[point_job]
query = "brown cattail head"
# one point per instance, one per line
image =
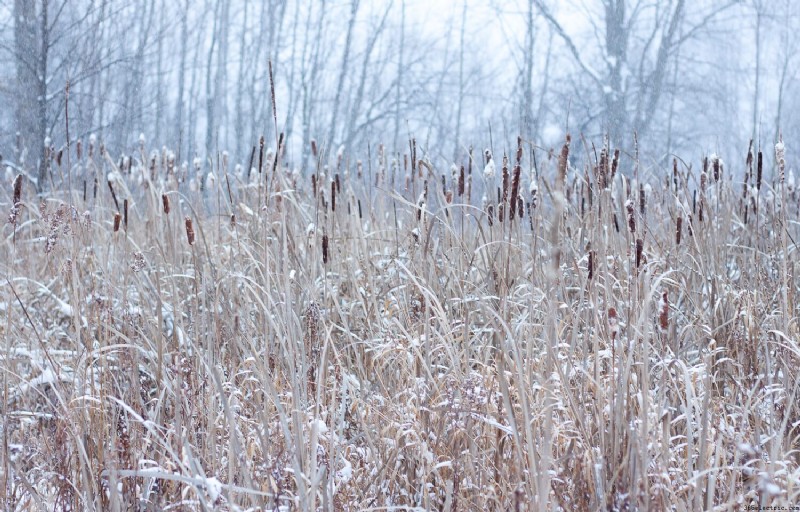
(505, 178)
(333, 195)
(17, 189)
(125, 213)
(515, 188)
(759, 168)
(165, 203)
(461, 182)
(519, 150)
(113, 194)
(663, 312)
(117, 219)
(591, 265)
(189, 231)
(314, 148)
(642, 199)
(490, 214)
(678, 230)
(325, 248)
(614, 165)
(79, 148)
(639, 252)
(563, 161)
(675, 174)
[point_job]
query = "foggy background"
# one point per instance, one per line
(691, 78)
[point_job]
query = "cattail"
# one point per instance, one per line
(675, 173)
(515, 188)
(501, 212)
(125, 213)
(314, 148)
(602, 175)
(520, 207)
(563, 161)
(614, 164)
(17, 189)
(117, 219)
(613, 323)
(505, 178)
(165, 203)
(338, 184)
(314, 184)
(759, 168)
(642, 200)
(639, 250)
(84, 191)
(333, 195)
(359, 209)
(716, 165)
(663, 312)
(591, 265)
(631, 217)
(678, 230)
(189, 231)
(461, 182)
(79, 148)
(324, 248)
(490, 213)
(113, 194)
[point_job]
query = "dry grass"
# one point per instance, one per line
(255, 342)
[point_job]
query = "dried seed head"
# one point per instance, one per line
(189, 231)
(563, 161)
(678, 230)
(117, 219)
(325, 248)
(165, 203)
(613, 323)
(663, 312)
(314, 148)
(631, 216)
(17, 189)
(639, 252)
(759, 168)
